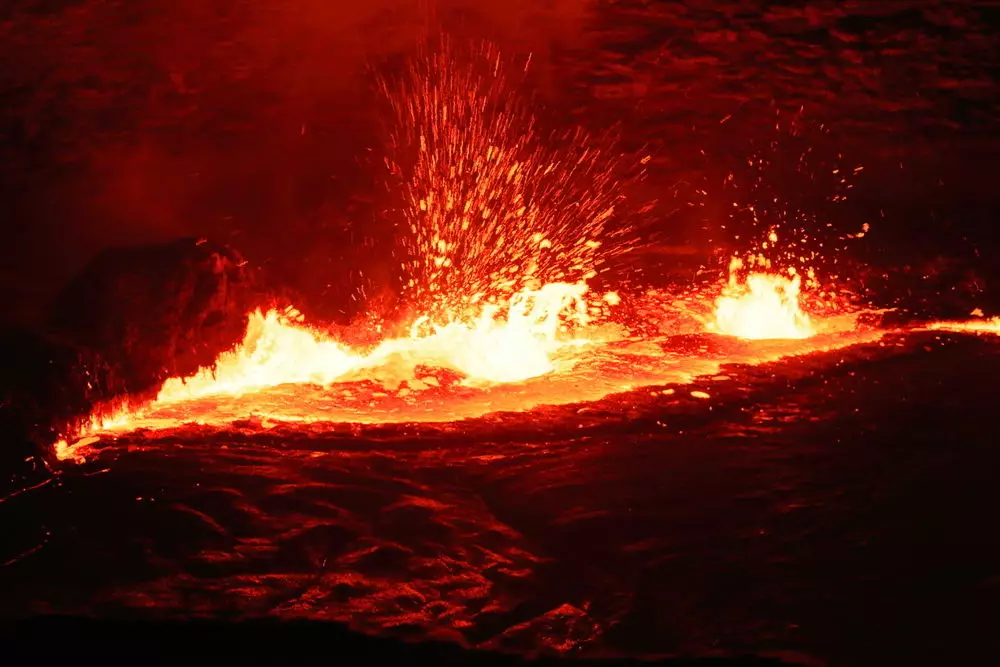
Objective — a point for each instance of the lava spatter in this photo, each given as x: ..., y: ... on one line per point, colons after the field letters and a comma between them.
x: 761, y: 306
x: 505, y: 225
x: 494, y: 204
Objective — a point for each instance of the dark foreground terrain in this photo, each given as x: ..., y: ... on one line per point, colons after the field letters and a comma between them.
x: 834, y: 507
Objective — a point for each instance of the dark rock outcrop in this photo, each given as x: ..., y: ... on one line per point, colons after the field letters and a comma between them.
x: 46, y: 387
x: 132, y: 318
x: 156, y: 311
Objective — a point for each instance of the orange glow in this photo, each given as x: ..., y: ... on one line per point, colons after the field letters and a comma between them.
x: 534, y: 334
x: 497, y: 345
x: 505, y: 227
x: 761, y: 306
x: 504, y: 230
x: 287, y: 373
x: 990, y: 325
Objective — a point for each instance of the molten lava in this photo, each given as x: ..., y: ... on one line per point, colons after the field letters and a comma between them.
x: 980, y: 325
x: 498, y: 345
x: 765, y: 306
x: 506, y: 229
x: 761, y: 306
x: 536, y: 333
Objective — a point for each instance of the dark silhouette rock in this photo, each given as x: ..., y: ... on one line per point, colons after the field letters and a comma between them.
x: 131, y: 319
x: 47, y: 387
x: 156, y: 311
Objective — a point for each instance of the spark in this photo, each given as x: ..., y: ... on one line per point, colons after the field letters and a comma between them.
x: 504, y: 227
x: 494, y: 205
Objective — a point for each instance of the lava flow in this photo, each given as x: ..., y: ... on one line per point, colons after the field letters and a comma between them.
x: 506, y: 232
x: 544, y: 347
x: 516, y: 346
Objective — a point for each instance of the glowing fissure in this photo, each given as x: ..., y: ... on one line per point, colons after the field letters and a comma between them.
x: 981, y: 325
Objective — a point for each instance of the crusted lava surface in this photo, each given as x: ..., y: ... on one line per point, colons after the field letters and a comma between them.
x: 783, y: 513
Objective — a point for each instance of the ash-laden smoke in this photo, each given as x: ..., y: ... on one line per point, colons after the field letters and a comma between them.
x: 494, y: 204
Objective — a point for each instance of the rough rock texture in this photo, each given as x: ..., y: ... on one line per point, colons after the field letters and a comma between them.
x: 45, y: 386
x: 156, y: 311
x: 270, y: 642
x: 132, y: 318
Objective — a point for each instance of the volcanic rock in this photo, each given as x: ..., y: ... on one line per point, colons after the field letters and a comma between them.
x: 45, y: 386
x: 131, y: 319
x: 156, y: 311
x: 939, y: 288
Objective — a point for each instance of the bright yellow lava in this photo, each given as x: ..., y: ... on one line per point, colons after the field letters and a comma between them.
x: 990, y: 325
x: 535, y: 334
x: 507, y: 226
x: 765, y: 306
x: 539, y: 348
x: 502, y: 344
x: 761, y: 306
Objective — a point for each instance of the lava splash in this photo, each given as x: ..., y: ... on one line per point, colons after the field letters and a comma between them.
x: 494, y: 204
x: 763, y: 305
x: 506, y: 227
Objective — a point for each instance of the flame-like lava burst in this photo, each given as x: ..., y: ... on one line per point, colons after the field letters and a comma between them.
x: 502, y: 345
x: 767, y: 287
x: 760, y: 302
x: 529, y: 336
x: 506, y: 229
x: 761, y: 306
x: 495, y: 206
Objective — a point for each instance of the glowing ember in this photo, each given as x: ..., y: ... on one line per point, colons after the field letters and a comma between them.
x: 761, y: 306
x: 495, y: 207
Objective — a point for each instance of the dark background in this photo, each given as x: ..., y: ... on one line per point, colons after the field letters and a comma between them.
x: 253, y: 123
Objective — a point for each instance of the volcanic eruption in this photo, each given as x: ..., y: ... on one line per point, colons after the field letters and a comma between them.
x: 502, y: 226
x: 666, y: 383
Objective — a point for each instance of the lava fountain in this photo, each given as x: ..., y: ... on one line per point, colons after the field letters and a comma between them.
x: 505, y: 227
x: 761, y: 306
x: 494, y: 205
